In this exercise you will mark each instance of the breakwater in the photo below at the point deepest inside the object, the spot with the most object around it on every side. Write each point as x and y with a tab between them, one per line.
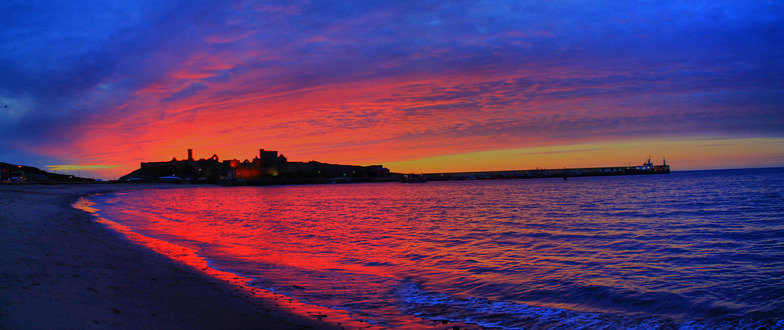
646	168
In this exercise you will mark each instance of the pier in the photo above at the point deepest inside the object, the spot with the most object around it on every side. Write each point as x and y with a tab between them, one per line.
645	168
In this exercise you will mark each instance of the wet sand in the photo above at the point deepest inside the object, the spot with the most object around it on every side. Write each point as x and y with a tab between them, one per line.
61	269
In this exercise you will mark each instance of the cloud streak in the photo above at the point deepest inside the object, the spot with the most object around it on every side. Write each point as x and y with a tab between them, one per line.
381	82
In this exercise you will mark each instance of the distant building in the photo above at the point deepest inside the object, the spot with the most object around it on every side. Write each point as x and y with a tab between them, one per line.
314	169
10	173
267	168
267	164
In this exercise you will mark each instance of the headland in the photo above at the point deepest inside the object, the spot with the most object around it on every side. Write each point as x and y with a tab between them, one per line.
271	168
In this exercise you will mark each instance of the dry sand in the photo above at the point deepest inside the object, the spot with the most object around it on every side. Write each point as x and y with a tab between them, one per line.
61	269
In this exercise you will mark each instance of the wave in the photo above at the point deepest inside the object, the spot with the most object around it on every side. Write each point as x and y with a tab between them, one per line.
515	315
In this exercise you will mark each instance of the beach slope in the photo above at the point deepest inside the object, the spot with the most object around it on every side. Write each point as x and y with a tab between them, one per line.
61	269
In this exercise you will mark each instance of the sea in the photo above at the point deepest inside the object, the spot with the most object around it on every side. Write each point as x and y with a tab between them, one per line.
686	250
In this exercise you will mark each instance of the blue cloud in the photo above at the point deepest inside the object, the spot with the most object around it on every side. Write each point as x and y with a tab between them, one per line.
190	90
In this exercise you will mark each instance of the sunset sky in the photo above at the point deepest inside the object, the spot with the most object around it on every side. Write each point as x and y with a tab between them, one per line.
95	87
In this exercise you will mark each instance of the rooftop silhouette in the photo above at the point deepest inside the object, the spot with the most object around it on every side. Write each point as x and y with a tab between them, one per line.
268	167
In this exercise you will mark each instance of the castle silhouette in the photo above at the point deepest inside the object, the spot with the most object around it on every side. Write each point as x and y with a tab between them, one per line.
267	168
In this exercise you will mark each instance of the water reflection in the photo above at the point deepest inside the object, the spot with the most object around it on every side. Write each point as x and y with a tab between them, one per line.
619	251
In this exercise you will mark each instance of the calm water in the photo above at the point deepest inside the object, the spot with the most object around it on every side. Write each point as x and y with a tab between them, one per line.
700	249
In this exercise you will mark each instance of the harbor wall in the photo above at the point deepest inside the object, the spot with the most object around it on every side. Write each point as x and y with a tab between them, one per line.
548	173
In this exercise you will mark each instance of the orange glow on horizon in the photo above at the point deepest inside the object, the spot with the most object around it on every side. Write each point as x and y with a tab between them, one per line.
397	122
693	154
698	153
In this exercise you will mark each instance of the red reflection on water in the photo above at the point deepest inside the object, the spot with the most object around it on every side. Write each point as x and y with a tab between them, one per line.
307	228
620	245
190	258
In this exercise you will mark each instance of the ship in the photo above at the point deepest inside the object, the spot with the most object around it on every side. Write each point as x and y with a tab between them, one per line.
648	168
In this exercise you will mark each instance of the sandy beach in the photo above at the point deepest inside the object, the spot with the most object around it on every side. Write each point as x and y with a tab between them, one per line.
61	269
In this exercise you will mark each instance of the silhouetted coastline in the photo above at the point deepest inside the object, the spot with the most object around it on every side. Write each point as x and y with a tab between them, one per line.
21	174
268	168
271	168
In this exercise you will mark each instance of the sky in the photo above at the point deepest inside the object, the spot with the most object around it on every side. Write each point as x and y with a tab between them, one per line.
96	87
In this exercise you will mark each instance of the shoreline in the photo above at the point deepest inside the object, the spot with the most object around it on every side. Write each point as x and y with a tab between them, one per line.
62	268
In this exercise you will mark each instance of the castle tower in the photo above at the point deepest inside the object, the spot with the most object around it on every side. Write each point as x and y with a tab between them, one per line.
268	157
190	154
